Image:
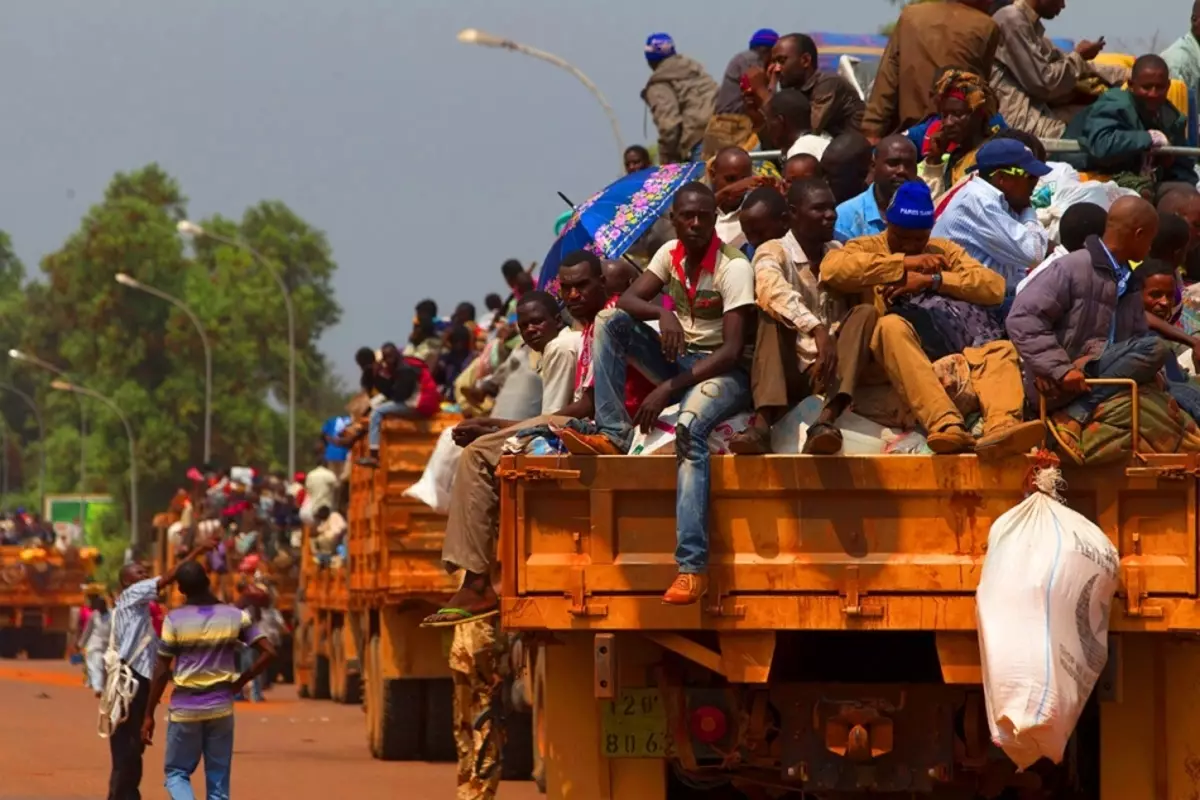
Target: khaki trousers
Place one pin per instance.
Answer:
(475, 502)
(995, 375)
(778, 382)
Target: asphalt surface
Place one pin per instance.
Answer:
(285, 747)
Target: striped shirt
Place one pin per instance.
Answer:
(980, 221)
(133, 629)
(203, 641)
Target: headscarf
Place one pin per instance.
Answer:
(659, 46)
(968, 87)
(978, 95)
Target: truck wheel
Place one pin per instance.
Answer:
(319, 688)
(48, 645)
(401, 739)
(439, 719)
(537, 684)
(10, 643)
(373, 697)
(283, 667)
(353, 694)
(337, 667)
(392, 732)
(516, 759)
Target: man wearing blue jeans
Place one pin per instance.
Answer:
(697, 359)
(1083, 317)
(201, 637)
(406, 389)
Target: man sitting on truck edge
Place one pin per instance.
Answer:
(474, 500)
(794, 352)
(697, 359)
(1084, 317)
(928, 295)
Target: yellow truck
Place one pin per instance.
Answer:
(321, 668)
(396, 580)
(360, 634)
(40, 589)
(836, 652)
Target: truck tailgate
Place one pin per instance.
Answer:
(590, 532)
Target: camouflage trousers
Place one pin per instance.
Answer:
(473, 667)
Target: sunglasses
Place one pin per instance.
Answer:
(1015, 172)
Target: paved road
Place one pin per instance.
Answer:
(301, 750)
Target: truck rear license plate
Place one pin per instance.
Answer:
(634, 725)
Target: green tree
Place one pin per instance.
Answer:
(145, 354)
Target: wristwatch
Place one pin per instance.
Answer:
(937, 283)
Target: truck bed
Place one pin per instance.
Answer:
(797, 542)
(395, 543)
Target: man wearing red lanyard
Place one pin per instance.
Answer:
(698, 359)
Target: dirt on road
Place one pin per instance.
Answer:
(285, 747)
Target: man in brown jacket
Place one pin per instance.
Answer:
(836, 106)
(681, 97)
(927, 38)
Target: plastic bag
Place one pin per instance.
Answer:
(1042, 610)
(663, 435)
(1062, 188)
(433, 489)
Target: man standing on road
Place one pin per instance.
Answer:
(135, 640)
(201, 639)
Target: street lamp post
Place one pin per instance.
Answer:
(37, 414)
(473, 36)
(192, 229)
(18, 355)
(135, 536)
(133, 283)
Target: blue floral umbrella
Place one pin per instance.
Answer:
(612, 220)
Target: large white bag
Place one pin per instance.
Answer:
(1042, 607)
(436, 481)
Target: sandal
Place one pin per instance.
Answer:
(823, 439)
(457, 617)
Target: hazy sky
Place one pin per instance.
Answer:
(426, 162)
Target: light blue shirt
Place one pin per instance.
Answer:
(134, 631)
(980, 221)
(859, 216)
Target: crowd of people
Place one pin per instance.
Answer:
(28, 529)
(905, 260)
(899, 261)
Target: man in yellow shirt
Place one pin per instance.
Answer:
(898, 272)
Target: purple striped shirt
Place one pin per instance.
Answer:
(204, 641)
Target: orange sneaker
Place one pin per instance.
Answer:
(585, 444)
(687, 589)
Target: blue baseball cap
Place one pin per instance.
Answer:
(1000, 153)
(911, 207)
